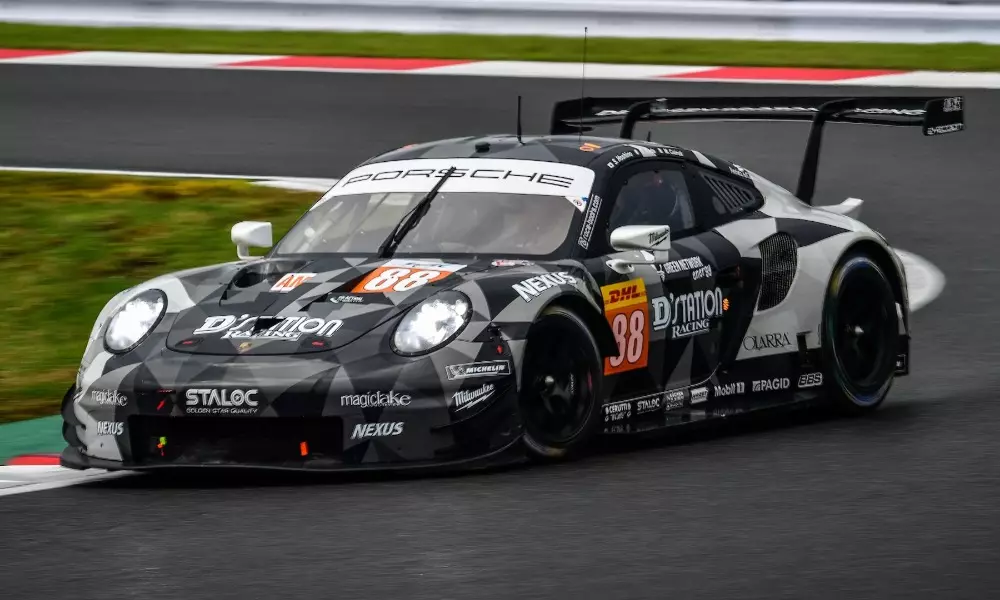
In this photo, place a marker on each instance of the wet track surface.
(902, 505)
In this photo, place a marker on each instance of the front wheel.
(560, 386)
(860, 334)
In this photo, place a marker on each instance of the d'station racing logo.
(688, 314)
(268, 328)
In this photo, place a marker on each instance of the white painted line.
(133, 173)
(932, 79)
(924, 281)
(299, 185)
(24, 479)
(139, 59)
(557, 70)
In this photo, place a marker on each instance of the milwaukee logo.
(469, 398)
(657, 237)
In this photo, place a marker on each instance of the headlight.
(133, 321)
(432, 323)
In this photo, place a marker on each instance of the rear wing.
(935, 115)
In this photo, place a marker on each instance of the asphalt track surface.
(901, 505)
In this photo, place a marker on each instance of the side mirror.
(648, 243)
(251, 234)
(641, 237)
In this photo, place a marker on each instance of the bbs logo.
(808, 380)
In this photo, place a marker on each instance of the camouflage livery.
(287, 362)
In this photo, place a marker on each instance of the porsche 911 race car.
(478, 300)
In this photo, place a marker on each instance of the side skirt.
(789, 379)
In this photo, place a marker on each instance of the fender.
(178, 299)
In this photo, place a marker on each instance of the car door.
(667, 317)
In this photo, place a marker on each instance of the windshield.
(457, 222)
(486, 206)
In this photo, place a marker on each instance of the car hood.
(293, 306)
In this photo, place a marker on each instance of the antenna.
(583, 78)
(649, 135)
(519, 120)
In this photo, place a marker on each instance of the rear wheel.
(560, 386)
(860, 334)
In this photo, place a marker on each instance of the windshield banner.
(471, 175)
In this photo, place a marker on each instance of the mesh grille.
(780, 257)
(732, 197)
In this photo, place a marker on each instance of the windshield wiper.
(410, 220)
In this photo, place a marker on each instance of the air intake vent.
(780, 256)
(728, 197)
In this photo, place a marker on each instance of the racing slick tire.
(560, 399)
(860, 334)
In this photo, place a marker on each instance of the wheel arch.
(885, 261)
(594, 320)
(845, 397)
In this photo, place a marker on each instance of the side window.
(654, 197)
(727, 198)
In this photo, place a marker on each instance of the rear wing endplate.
(934, 115)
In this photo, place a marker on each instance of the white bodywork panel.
(802, 309)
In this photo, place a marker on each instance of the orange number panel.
(403, 276)
(627, 312)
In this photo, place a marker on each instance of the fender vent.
(728, 197)
(780, 257)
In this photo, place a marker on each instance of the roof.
(596, 153)
(567, 149)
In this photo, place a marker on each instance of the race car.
(487, 299)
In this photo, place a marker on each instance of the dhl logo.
(626, 293)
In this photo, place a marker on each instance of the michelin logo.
(491, 368)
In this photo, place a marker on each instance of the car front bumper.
(301, 414)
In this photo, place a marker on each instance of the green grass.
(68, 243)
(945, 57)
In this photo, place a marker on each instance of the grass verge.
(70, 242)
(943, 57)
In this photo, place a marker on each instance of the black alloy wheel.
(860, 334)
(560, 386)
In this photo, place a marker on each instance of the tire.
(562, 377)
(860, 335)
